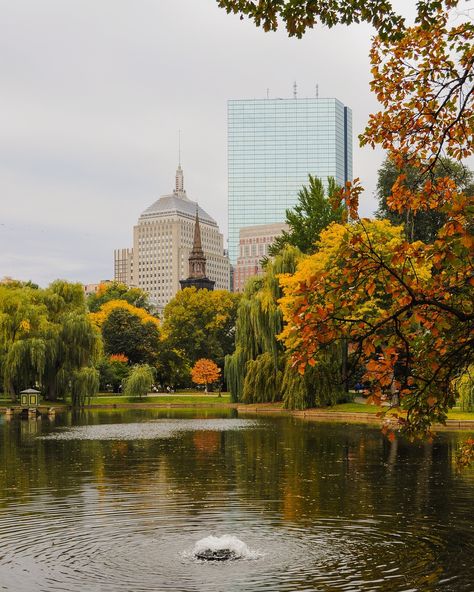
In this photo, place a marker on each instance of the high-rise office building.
(162, 243)
(254, 244)
(273, 144)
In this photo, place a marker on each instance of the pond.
(117, 501)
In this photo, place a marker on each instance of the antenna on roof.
(179, 147)
(268, 93)
(295, 89)
(317, 91)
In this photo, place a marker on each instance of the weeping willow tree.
(254, 371)
(319, 386)
(465, 389)
(47, 340)
(260, 370)
(84, 385)
(139, 382)
(263, 379)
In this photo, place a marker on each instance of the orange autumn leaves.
(205, 372)
(405, 309)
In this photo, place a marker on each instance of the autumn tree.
(128, 330)
(425, 223)
(420, 338)
(300, 15)
(196, 324)
(260, 370)
(312, 213)
(205, 372)
(108, 291)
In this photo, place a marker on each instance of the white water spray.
(223, 548)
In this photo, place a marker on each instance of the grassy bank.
(191, 398)
(198, 398)
(363, 408)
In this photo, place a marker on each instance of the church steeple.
(197, 259)
(197, 263)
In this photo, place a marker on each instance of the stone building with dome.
(162, 244)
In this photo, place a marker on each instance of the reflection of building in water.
(254, 242)
(162, 243)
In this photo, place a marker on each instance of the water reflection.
(328, 506)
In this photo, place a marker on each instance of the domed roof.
(169, 205)
(177, 203)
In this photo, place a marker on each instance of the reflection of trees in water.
(289, 468)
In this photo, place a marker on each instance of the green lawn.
(354, 408)
(363, 408)
(190, 398)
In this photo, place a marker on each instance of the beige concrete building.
(94, 288)
(123, 266)
(162, 243)
(254, 242)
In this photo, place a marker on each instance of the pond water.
(120, 500)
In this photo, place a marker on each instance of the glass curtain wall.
(273, 144)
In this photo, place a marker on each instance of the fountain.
(223, 548)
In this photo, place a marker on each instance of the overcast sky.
(93, 93)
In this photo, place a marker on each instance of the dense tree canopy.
(47, 340)
(197, 324)
(420, 339)
(313, 212)
(260, 369)
(117, 291)
(425, 223)
(124, 333)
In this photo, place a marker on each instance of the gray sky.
(93, 93)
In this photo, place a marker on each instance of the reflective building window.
(273, 144)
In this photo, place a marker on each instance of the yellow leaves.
(468, 241)
(25, 325)
(98, 318)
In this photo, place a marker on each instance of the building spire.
(197, 252)
(179, 181)
(197, 263)
(179, 188)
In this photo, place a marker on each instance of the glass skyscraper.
(273, 144)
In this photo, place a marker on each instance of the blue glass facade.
(273, 144)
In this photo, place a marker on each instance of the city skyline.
(163, 240)
(90, 130)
